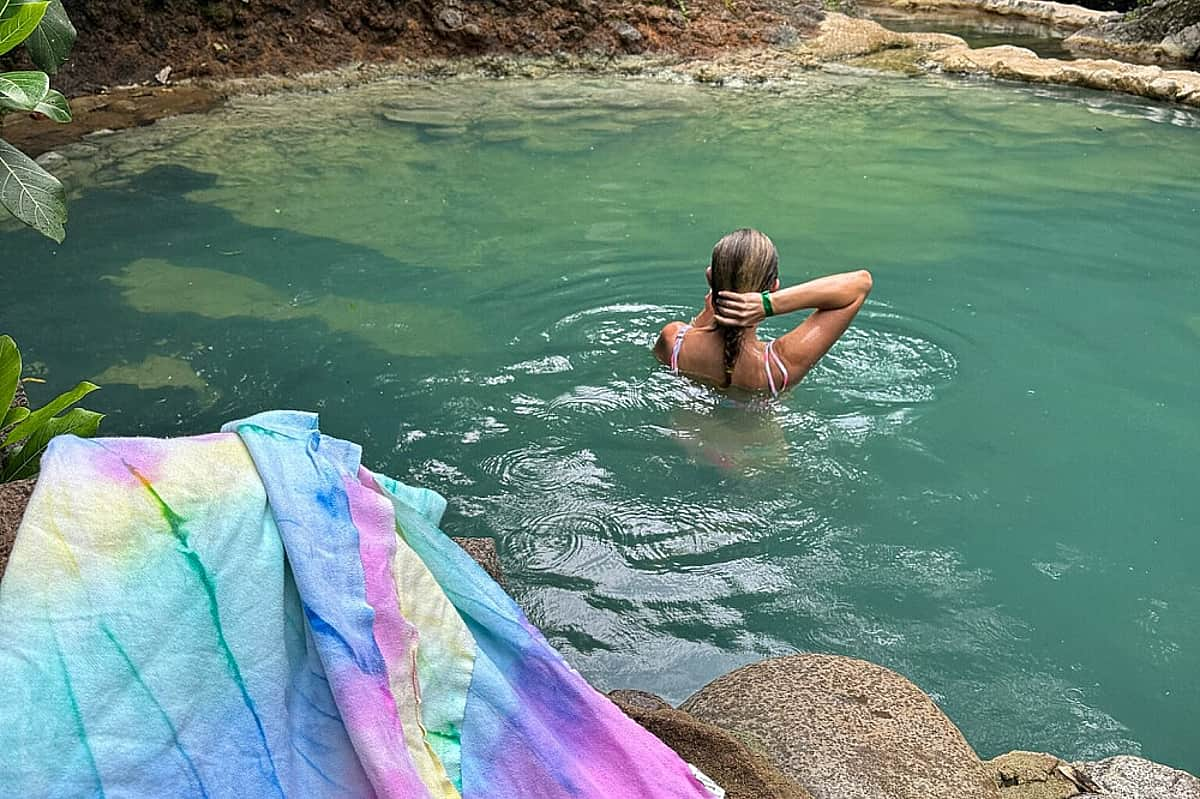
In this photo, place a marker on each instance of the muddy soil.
(131, 41)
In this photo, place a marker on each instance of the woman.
(721, 346)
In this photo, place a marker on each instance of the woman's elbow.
(865, 281)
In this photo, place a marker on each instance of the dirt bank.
(131, 41)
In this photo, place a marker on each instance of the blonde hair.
(745, 260)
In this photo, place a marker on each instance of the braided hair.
(745, 260)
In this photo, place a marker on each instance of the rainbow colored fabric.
(253, 614)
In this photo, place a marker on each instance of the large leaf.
(13, 416)
(32, 194)
(43, 414)
(22, 91)
(24, 463)
(51, 41)
(54, 106)
(18, 21)
(10, 372)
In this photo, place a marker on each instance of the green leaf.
(53, 38)
(22, 91)
(25, 462)
(32, 194)
(10, 372)
(13, 416)
(16, 25)
(43, 414)
(54, 106)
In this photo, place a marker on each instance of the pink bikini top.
(770, 357)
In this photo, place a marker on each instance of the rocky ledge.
(863, 43)
(832, 727)
(1017, 63)
(1063, 16)
(1165, 31)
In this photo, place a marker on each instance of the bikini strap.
(769, 357)
(678, 345)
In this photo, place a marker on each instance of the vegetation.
(30, 193)
(25, 432)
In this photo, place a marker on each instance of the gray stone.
(1127, 777)
(628, 34)
(845, 729)
(781, 35)
(1183, 44)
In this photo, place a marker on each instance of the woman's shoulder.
(666, 340)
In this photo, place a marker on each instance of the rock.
(1032, 775)
(321, 23)
(845, 729)
(1063, 16)
(423, 117)
(449, 18)
(52, 161)
(13, 499)
(627, 33)
(741, 772)
(483, 552)
(638, 700)
(841, 37)
(781, 35)
(1126, 777)
(1015, 63)
(1165, 31)
(1183, 45)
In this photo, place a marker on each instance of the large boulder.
(1126, 777)
(741, 772)
(1164, 31)
(845, 729)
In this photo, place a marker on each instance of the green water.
(989, 484)
(982, 30)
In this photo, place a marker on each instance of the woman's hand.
(739, 310)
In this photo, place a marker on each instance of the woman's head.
(745, 260)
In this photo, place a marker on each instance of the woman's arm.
(836, 300)
(823, 294)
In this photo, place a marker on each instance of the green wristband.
(766, 297)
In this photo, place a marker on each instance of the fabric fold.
(253, 613)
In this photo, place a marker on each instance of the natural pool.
(978, 30)
(989, 485)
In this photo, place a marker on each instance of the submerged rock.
(160, 371)
(845, 729)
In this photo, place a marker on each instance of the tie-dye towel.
(253, 614)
